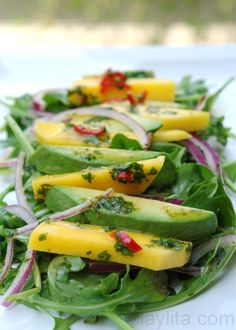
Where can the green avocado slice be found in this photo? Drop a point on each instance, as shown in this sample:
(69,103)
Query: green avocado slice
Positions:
(64,159)
(50,159)
(145,215)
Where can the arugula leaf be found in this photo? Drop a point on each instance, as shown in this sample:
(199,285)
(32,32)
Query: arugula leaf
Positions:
(20,136)
(216,128)
(64,323)
(193,286)
(148,286)
(230,175)
(83,287)
(19,109)
(189,92)
(120,141)
(212,196)
(139,74)
(199,188)
(211,99)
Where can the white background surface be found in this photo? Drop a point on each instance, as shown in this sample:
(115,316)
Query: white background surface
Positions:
(27,70)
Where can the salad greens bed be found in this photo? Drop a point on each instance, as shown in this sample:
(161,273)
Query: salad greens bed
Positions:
(64,287)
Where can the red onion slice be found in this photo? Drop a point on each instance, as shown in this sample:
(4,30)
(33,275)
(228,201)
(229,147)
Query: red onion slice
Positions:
(8,259)
(58,216)
(203,152)
(80,208)
(143,136)
(104,267)
(188,270)
(201,103)
(21,277)
(8,163)
(210,153)
(21,212)
(195,151)
(27,228)
(19,189)
(210,245)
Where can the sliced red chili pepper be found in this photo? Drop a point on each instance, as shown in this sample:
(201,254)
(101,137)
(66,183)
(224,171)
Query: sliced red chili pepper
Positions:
(113,79)
(131,98)
(142,96)
(125,175)
(128,242)
(88,131)
(139,99)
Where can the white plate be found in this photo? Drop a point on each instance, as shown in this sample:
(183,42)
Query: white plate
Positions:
(30,69)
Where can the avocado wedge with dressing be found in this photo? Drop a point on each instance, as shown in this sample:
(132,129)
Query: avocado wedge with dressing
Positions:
(145,215)
(50,159)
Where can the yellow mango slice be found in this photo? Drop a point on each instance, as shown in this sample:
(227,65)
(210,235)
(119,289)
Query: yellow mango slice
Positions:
(170,135)
(59,134)
(93,242)
(187,120)
(102,178)
(56,134)
(157,89)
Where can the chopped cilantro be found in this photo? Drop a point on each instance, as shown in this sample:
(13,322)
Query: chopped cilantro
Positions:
(116,205)
(120,247)
(104,256)
(88,177)
(42,237)
(152,171)
(168,243)
(108,228)
(43,189)
(136,169)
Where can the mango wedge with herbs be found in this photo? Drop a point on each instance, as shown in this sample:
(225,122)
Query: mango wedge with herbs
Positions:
(187,120)
(95,242)
(130,178)
(157,89)
(58,133)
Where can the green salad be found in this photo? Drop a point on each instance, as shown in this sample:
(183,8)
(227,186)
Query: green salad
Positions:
(119,192)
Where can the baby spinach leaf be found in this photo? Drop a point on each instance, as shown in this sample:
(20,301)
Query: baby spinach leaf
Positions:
(212,196)
(56,102)
(190,174)
(167,176)
(121,141)
(174,151)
